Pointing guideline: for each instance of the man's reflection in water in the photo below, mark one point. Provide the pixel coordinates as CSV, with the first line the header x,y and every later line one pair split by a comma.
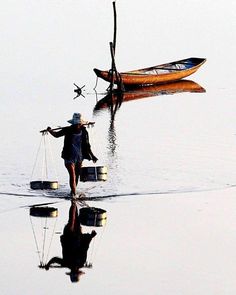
x,y
75,245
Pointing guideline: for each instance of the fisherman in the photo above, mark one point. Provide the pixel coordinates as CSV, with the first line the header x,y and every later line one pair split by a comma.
x,y
76,148
74,244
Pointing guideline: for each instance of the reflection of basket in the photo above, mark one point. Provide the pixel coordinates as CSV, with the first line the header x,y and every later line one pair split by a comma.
x,y
98,173
44,184
43,212
91,216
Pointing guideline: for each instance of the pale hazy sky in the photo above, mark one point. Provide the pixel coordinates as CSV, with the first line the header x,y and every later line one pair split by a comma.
x,y
48,45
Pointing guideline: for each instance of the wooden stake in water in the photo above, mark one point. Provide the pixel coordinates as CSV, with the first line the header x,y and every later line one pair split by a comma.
x,y
114,72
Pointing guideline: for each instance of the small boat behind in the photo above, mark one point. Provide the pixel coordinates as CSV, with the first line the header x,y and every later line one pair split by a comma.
x,y
164,73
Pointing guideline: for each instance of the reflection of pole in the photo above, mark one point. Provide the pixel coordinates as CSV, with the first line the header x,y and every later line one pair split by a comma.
x,y
117,98
112,138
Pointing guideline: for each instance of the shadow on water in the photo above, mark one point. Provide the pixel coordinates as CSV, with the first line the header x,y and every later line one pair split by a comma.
x,y
74,242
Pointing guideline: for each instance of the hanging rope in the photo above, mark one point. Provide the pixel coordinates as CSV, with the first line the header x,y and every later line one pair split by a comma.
x,y
94,250
91,139
95,143
50,244
51,156
44,239
35,239
42,260
89,261
37,155
45,152
45,163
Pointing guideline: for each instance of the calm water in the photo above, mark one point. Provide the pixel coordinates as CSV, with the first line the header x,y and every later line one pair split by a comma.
x,y
157,148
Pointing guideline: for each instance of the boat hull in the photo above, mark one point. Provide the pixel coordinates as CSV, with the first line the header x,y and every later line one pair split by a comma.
x,y
164,73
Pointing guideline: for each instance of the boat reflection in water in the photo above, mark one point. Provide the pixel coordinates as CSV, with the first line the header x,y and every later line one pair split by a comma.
x,y
74,242
113,101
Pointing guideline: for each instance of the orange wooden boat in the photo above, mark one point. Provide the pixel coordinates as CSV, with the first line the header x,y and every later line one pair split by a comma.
x,y
164,73
148,91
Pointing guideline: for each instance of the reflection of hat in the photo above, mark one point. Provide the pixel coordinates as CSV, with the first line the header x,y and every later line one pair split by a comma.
x,y
77,119
75,275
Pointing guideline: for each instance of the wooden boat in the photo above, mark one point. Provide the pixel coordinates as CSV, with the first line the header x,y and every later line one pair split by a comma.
x,y
148,91
159,74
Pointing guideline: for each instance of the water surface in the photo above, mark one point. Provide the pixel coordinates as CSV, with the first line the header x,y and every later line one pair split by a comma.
x,y
171,157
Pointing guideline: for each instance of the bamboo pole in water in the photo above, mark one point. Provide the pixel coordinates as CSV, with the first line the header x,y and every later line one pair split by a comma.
x,y
112,50
114,71
115,26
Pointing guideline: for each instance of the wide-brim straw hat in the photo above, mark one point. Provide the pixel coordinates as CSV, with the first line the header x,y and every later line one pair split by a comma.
x,y
77,119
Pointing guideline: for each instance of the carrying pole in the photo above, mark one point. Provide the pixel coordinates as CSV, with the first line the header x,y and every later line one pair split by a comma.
x,y
59,128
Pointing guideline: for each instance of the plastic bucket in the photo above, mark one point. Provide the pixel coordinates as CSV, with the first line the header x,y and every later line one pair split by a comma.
x,y
98,173
44,185
91,216
44,211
